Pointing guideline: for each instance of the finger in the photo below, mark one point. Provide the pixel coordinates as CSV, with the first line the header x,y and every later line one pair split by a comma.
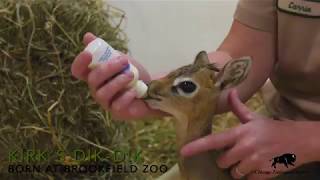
x,y
88,37
245,167
138,109
210,142
79,67
123,101
238,108
105,71
105,94
234,155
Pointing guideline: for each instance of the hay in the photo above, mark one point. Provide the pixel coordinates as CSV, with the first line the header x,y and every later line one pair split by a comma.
x,y
41,105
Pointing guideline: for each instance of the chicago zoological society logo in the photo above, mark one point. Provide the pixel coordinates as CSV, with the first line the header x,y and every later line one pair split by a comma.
x,y
286,160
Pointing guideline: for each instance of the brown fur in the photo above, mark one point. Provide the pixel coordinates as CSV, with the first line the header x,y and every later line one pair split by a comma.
x,y
194,113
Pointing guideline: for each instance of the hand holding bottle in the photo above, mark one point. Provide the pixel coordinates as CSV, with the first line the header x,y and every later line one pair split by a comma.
x,y
109,82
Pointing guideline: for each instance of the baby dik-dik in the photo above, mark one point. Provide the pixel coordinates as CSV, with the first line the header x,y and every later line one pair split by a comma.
x,y
190,94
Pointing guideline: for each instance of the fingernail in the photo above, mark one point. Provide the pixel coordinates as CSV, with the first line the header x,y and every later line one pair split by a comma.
x,y
126,68
129,74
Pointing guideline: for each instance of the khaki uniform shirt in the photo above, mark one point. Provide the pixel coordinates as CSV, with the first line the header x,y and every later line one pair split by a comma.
x,y
295,89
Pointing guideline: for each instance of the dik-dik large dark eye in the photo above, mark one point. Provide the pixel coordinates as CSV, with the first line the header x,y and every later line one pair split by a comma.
x,y
187,86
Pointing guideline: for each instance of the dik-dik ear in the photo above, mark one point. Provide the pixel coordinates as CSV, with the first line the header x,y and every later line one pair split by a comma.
x,y
202,58
233,73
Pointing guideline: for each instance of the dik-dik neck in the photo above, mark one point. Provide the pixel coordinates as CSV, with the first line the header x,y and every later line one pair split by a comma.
x,y
190,128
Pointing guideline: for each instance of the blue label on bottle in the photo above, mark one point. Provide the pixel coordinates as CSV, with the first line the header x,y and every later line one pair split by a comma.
x,y
106,55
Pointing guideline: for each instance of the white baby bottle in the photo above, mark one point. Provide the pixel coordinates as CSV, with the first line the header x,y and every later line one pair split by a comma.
x,y
102,52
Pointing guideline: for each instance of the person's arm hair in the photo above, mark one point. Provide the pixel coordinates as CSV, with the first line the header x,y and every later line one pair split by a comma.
x,y
245,41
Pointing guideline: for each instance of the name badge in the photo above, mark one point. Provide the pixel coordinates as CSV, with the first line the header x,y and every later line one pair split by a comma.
x,y
306,8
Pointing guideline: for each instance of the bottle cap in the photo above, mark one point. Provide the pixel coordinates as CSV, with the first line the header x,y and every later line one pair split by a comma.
x,y
141,89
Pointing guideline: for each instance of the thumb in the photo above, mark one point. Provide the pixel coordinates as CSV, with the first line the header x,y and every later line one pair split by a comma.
x,y
239,109
88,37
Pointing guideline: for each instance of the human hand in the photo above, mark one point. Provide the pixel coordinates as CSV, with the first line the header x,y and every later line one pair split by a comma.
x,y
108,87
258,140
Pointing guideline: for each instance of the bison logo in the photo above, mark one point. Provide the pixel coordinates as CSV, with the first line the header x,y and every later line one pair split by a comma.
x,y
284,159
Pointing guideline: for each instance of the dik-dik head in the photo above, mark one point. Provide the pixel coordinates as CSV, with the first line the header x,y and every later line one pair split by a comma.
x,y
195,87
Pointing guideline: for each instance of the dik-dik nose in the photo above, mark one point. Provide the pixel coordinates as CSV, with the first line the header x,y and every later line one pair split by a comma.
x,y
155,89
152,87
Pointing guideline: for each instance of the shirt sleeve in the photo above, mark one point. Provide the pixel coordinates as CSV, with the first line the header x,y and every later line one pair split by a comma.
x,y
257,14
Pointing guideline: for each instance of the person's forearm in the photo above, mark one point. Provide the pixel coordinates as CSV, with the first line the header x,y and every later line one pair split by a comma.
x,y
219,58
245,41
